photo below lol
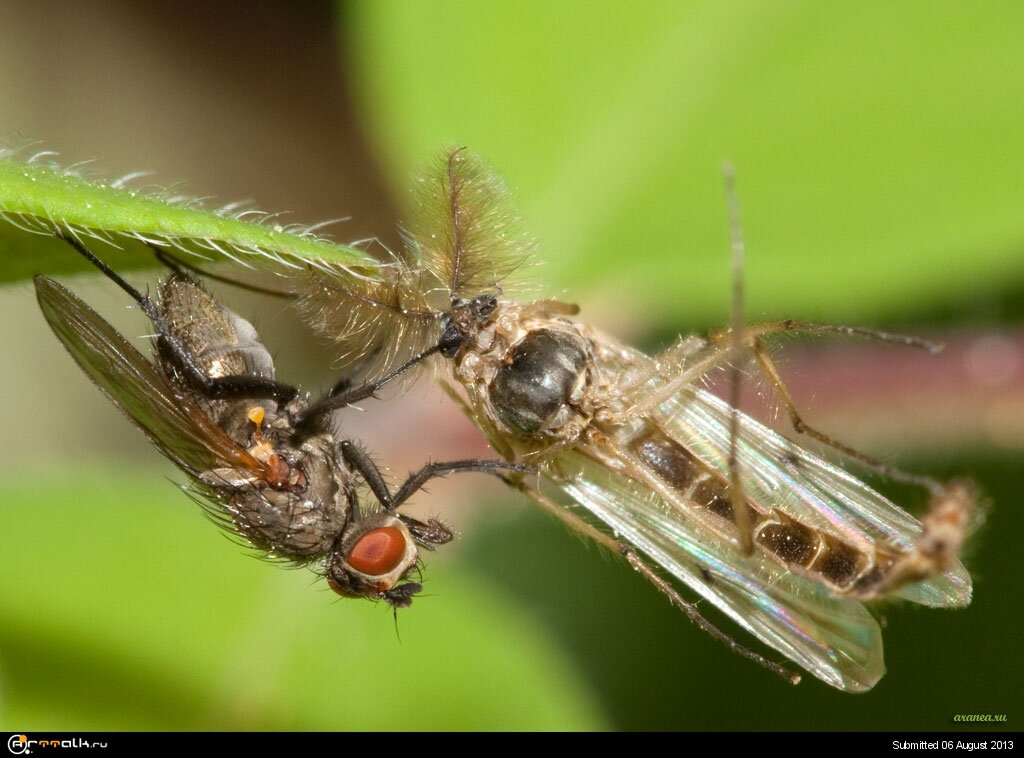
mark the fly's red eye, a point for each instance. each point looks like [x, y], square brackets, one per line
[378, 552]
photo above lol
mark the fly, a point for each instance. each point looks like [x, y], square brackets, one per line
[260, 461]
[658, 469]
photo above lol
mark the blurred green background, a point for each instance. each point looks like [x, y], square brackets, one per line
[880, 154]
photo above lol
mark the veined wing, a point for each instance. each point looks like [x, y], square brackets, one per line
[836, 639]
[778, 473]
[173, 421]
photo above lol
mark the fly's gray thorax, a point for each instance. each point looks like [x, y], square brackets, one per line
[305, 518]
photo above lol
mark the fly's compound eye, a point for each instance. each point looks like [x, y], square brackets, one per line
[378, 552]
[371, 562]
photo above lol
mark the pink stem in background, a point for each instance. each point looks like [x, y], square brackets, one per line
[895, 401]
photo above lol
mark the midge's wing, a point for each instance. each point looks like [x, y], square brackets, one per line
[777, 473]
[173, 421]
[836, 639]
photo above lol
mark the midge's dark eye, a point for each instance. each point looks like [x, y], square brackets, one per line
[485, 305]
[465, 319]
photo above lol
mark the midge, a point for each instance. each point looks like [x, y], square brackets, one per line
[261, 462]
[656, 468]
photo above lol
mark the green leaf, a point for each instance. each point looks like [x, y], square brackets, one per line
[128, 610]
[35, 198]
[877, 144]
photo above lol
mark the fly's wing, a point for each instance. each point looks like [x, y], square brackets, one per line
[836, 639]
[778, 473]
[173, 421]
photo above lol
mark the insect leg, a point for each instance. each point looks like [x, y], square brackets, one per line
[177, 264]
[220, 387]
[361, 462]
[342, 394]
[702, 623]
[738, 328]
[669, 360]
[792, 325]
[619, 548]
[434, 470]
[690, 359]
[771, 371]
[694, 360]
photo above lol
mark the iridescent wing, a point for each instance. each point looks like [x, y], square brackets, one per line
[179, 427]
[777, 473]
[836, 639]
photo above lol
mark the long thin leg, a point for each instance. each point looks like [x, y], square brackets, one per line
[704, 360]
[692, 612]
[771, 371]
[695, 359]
[343, 395]
[809, 327]
[220, 387]
[719, 349]
[669, 360]
[176, 264]
[434, 470]
[361, 462]
[702, 623]
[736, 496]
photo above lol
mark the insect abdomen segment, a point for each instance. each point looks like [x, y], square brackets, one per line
[796, 545]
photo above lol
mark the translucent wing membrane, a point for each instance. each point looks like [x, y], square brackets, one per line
[777, 473]
[174, 423]
[836, 639]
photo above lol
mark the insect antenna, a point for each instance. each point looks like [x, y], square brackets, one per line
[465, 229]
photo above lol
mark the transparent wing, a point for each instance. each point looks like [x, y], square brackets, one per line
[836, 639]
[778, 473]
[174, 422]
